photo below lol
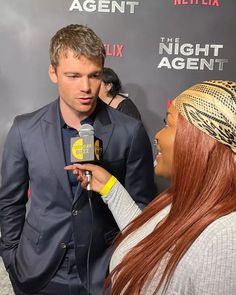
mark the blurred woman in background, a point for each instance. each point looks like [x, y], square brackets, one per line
[111, 95]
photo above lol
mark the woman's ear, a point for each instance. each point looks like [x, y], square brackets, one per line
[108, 86]
[52, 74]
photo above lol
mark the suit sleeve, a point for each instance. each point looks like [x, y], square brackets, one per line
[139, 179]
[13, 193]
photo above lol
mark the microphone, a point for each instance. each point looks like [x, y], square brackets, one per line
[88, 175]
[86, 148]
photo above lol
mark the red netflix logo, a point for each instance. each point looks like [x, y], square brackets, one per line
[197, 2]
[115, 50]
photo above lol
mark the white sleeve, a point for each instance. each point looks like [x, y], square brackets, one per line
[216, 271]
[121, 205]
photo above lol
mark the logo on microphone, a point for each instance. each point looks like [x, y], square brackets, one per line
[97, 149]
[79, 149]
[86, 147]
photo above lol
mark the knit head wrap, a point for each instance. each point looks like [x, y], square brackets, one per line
[211, 107]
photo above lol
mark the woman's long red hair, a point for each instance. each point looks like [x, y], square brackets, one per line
[203, 189]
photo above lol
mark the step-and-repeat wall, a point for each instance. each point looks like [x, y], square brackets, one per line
[157, 47]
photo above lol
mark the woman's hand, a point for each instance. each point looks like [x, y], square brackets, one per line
[99, 175]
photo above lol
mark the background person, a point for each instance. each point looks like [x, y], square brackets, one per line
[184, 242]
[46, 253]
[110, 93]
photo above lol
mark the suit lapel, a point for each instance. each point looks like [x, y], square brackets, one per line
[51, 129]
[103, 127]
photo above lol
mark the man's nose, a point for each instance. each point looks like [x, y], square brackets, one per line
[85, 84]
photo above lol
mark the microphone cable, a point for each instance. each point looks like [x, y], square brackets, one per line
[90, 194]
[90, 241]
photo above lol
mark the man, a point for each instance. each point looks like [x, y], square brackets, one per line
[46, 253]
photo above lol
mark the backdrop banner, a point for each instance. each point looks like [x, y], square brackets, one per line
[157, 47]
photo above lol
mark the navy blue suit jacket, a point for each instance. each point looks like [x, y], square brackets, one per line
[34, 245]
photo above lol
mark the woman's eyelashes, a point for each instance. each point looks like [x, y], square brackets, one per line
[165, 122]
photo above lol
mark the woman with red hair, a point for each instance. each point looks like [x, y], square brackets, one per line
[184, 242]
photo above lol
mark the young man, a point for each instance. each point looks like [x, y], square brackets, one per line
[46, 252]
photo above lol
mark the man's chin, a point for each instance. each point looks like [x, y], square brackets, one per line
[86, 109]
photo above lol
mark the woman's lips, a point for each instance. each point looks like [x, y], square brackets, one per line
[158, 155]
[158, 150]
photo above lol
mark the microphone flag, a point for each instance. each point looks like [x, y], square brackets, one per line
[86, 147]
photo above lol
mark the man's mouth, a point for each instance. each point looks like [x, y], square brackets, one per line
[85, 99]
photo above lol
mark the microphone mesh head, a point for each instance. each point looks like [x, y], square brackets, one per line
[86, 130]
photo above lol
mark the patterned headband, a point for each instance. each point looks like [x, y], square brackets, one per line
[211, 107]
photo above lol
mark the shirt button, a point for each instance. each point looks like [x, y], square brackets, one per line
[75, 212]
[63, 245]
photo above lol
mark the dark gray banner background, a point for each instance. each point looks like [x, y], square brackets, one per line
[143, 30]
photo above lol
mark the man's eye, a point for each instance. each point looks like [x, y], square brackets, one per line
[96, 76]
[72, 76]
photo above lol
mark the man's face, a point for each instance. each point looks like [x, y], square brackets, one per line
[78, 81]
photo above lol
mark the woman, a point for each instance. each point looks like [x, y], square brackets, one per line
[184, 242]
[110, 94]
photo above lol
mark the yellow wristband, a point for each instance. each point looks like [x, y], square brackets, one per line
[107, 187]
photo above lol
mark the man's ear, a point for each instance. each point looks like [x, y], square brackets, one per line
[52, 74]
